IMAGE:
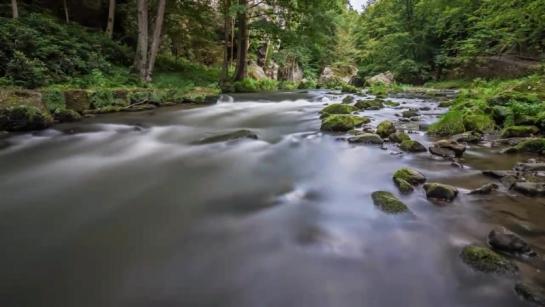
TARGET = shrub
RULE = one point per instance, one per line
(53, 100)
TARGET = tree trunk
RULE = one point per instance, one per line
(141, 58)
(243, 42)
(156, 39)
(66, 11)
(226, 38)
(14, 9)
(111, 18)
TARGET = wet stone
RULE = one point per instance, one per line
(366, 138)
(485, 189)
(531, 293)
(388, 203)
(441, 192)
(530, 188)
(508, 242)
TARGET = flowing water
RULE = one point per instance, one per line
(136, 210)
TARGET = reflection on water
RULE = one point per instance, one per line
(127, 210)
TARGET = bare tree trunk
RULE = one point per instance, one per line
(111, 18)
(156, 39)
(66, 11)
(226, 38)
(243, 42)
(14, 9)
(141, 58)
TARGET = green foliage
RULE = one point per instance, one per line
(450, 124)
(53, 100)
(248, 85)
(36, 50)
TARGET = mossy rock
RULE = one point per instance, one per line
(531, 293)
(410, 175)
(412, 146)
(403, 186)
(24, 118)
(66, 115)
(410, 113)
(77, 100)
(388, 203)
(532, 145)
(399, 137)
(375, 104)
(519, 131)
(390, 103)
(439, 191)
(485, 260)
(349, 99)
(385, 128)
(343, 122)
(338, 109)
(366, 138)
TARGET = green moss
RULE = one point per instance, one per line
(410, 175)
(65, 115)
(53, 100)
(24, 118)
(341, 123)
(478, 122)
(386, 128)
(439, 191)
(366, 138)
(412, 146)
(399, 137)
(338, 109)
(485, 260)
(388, 203)
(535, 145)
(347, 88)
(449, 124)
(375, 104)
(403, 185)
(519, 131)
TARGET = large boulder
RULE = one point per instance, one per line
(343, 122)
(439, 191)
(388, 203)
(385, 128)
(256, 72)
(338, 74)
(385, 78)
(485, 260)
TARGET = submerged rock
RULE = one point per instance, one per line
(366, 138)
(342, 123)
(531, 293)
(439, 191)
(485, 189)
(399, 137)
(530, 188)
(485, 260)
(499, 174)
(385, 128)
(388, 203)
(508, 242)
(231, 136)
(412, 146)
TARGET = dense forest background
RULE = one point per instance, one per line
(288, 41)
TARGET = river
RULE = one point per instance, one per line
(138, 209)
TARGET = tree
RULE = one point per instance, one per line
(14, 9)
(66, 16)
(226, 39)
(156, 39)
(146, 52)
(243, 40)
(141, 57)
(111, 19)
